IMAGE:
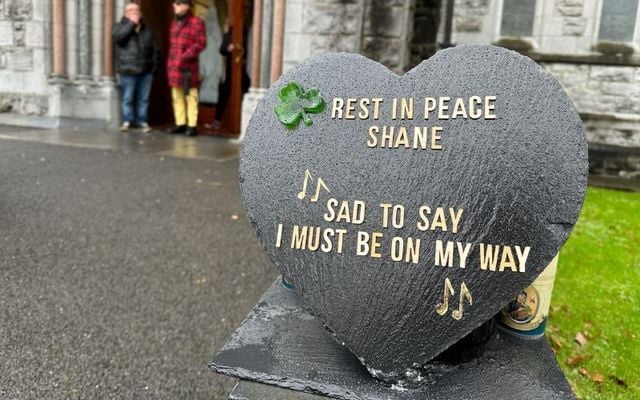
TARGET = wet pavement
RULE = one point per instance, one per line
(125, 263)
(155, 142)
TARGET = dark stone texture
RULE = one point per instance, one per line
(247, 390)
(520, 179)
(281, 343)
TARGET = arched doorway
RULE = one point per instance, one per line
(216, 14)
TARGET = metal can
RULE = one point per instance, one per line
(286, 283)
(526, 315)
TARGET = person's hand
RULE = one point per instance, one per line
(230, 47)
(134, 17)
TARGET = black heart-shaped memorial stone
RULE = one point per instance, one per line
(407, 210)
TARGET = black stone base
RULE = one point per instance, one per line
(280, 343)
(247, 390)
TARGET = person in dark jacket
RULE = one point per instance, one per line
(137, 57)
(188, 38)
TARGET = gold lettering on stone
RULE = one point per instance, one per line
(364, 108)
(336, 110)
(299, 237)
(444, 257)
(489, 256)
(351, 108)
(314, 238)
(474, 107)
(429, 105)
(279, 236)
(522, 257)
(405, 250)
(400, 137)
(507, 261)
(501, 257)
(375, 244)
(353, 214)
(368, 244)
(439, 220)
(489, 107)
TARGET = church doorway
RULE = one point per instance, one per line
(220, 16)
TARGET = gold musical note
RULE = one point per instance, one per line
(464, 292)
(303, 192)
(442, 308)
(317, 194)
(319, 186)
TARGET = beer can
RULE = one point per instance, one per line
(526, 315)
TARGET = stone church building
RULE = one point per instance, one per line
(56, 56)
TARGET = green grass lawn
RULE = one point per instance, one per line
(597, 294)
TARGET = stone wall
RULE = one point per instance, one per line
(23, 50)
(567, 28)
(474, 21)
(560, 27)
(607, 98)
(381, 30)
(315, 27)
(28, 95)
(388, 31)
(565, 38)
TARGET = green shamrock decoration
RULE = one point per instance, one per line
(295, 104)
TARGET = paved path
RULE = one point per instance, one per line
(125, 262)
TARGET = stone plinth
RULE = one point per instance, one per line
(280, 343)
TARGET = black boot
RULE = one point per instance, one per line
(192, 131)
(178, 129)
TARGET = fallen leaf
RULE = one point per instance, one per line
(597, 377)
(577, 359)
(556, 343)
(581, 339)
(593, 376)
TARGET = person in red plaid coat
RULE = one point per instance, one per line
(187, 40)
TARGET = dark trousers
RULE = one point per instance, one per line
(135, 89)
(224, 90)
